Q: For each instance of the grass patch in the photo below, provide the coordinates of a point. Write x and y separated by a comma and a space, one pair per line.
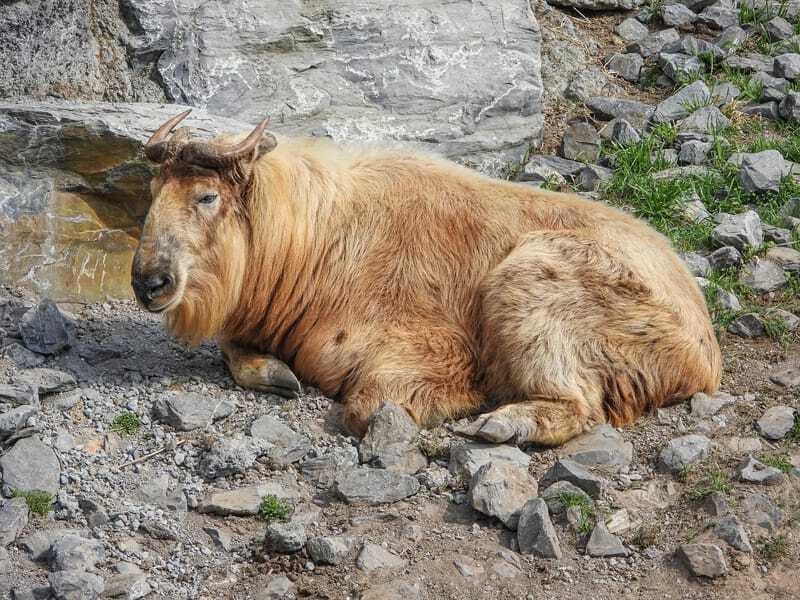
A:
588, 515
774, 549
38, 502
126, 423
779, 461
714, 479
273, 508
794, 432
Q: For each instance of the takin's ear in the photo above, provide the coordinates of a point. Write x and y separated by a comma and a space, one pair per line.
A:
267, 144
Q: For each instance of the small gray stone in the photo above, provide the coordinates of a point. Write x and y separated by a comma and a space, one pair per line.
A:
694, 46
38, 544
14, 394
188, 411
591, 177
245, 501
156, 492
787, 66
693, 210
535, 532
569, 470
220, 536
778, 28
719, 16
31, 465
679, 67
762, 171
501, 490
13, 519
754, 471
653, 43
628, 66
285, 537
538, 164
555, 493
684, 451
763, 275
778, 235
787, 258
789, 107
694, 152
604, 446
740, 231
581, 143
21, 356
278, 587
680, 104
329, 550
588, 82
750, 63
678, 15
704, 405
758, 509
45, 330
728, 256
727, 300
229, 456
724, 93
391, 441
373, 556
704, 560
776, 422
72, 552
375, 486
603, 544
287, 446
698, 265
323, 470
789, 377
636, 113
48, 381
716, 504
466, 459
95, 515
631, 30
731, 38
624, 134
15, 419
766, 110
129, 586
706, 119
749, 326
731, 530
75, 585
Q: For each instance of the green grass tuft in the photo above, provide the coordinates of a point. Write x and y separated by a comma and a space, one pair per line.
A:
126, 423
273, 508
714, 480
38, 502
779, 461
588, 515
774, 549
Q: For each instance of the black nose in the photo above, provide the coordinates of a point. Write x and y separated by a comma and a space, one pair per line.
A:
148, 287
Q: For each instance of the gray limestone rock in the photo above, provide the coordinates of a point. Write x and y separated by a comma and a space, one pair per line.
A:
628, 65
739, 231
501, 490
391, 441
288, 446
468, 458
373, 557
776, 422
535, 531
681, 104
375, 486
13, 519
189, 410
704, 560
45, 330
568, 470
603, 544
684, 451
754, 471
604, 446
31, 465
763, 275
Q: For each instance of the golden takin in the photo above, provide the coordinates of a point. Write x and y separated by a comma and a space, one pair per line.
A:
392, 275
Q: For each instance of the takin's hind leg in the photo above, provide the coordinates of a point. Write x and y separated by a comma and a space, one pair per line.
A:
547, 422
260, 372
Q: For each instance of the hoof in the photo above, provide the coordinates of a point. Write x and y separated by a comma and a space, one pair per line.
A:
268, 375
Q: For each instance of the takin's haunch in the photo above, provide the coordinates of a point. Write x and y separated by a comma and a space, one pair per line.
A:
389, 275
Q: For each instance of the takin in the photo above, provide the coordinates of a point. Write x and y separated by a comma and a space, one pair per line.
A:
391, 275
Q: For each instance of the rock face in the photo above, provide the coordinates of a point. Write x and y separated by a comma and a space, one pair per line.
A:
433, 71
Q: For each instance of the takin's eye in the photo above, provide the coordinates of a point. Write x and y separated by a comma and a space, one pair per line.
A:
209, 198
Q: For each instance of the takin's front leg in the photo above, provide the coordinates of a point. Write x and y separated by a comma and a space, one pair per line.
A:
261, 372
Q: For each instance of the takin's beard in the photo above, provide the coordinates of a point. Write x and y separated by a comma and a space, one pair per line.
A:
209, 298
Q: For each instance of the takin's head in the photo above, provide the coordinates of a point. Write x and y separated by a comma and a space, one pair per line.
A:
190, 260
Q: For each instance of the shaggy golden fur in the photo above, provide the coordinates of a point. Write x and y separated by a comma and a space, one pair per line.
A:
391, 275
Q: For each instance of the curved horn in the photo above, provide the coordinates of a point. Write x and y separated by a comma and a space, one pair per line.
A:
158, 148
216, 157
